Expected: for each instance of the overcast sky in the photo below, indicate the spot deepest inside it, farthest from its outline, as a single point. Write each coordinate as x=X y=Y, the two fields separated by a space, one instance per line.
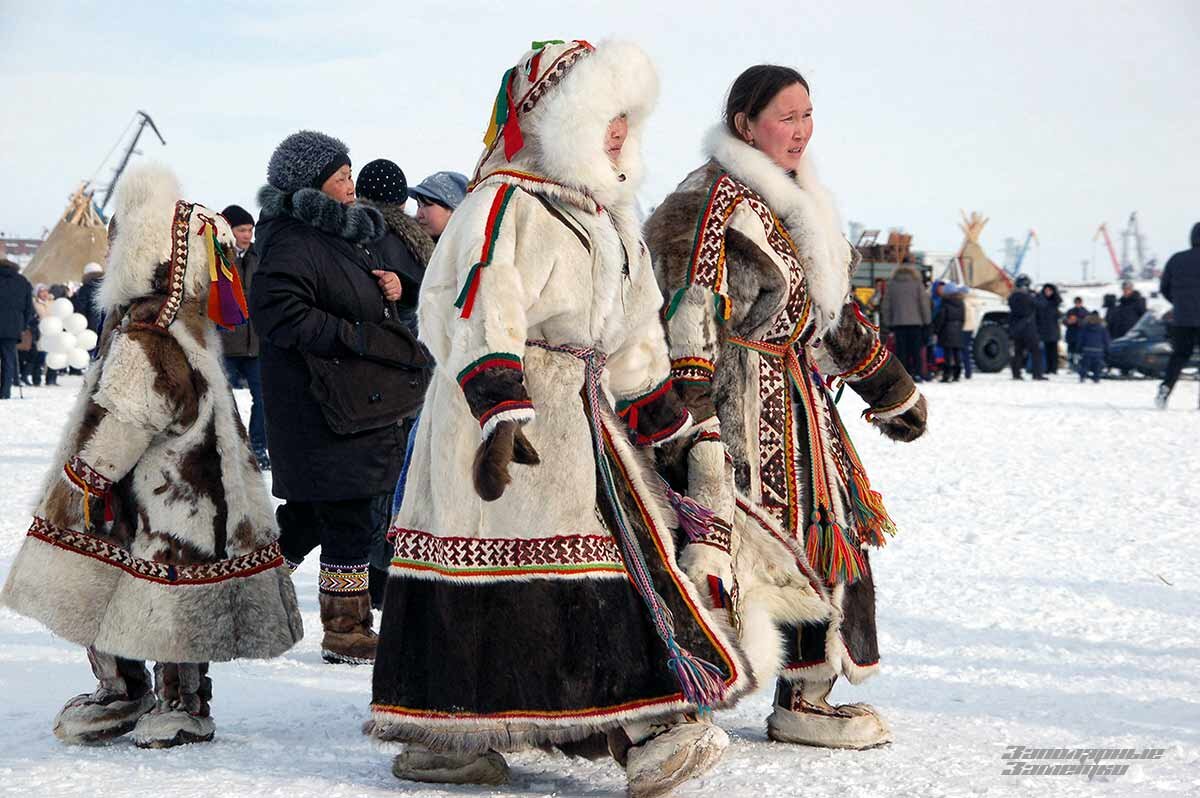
x=1050 y=115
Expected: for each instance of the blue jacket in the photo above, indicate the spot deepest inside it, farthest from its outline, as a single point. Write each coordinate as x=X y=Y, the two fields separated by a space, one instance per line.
x=1093 y=336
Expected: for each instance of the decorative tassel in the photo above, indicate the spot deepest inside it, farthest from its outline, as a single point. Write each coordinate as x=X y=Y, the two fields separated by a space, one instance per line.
x=699 y=679
x=226 y=300
x=695 y=519
x=513 y=139
x=829 y=550
x=499 y=113
x=109 y=517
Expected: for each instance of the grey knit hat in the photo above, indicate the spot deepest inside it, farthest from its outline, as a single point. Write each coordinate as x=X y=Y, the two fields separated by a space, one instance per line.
x=306 y=160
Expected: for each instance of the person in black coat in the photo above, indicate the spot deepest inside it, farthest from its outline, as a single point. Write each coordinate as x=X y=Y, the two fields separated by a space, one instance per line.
x=1073 y=319
x=84 y=299
x=1049 y=330
x=1126 y=311
x=16 y=316
x=321 y=291
x=1093 y=346
x=1022 y=328
x=948 y=327
x=1180 y=285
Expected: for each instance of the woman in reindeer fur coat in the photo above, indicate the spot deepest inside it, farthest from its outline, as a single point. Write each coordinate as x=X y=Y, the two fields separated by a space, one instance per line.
x=749 y=253
x=154 y=539
x=534 y=597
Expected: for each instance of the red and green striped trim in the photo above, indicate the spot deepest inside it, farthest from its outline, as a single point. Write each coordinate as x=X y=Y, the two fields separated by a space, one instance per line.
x=466 y=298
x=492 y=360
x=504 y=407
x=644 y=399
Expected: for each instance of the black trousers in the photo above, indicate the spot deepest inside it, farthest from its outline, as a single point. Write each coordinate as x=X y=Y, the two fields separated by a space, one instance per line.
x=909 y=341
x=343 y=529
x=1051 y=350
x=1026 y=346
x=10 y=372
x=1183 y=341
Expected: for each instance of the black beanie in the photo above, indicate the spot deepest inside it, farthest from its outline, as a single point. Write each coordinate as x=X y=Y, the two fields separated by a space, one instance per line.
x=382 y=181
x=237 y=215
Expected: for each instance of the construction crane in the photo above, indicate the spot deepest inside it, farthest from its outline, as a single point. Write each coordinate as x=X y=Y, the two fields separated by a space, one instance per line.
x=144 y=121
x=1112 y=253
x=1031 y=236
x=1144 y=267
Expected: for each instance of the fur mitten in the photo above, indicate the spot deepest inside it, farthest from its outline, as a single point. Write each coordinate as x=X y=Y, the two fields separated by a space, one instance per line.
x=908 y=426
x=507 y=444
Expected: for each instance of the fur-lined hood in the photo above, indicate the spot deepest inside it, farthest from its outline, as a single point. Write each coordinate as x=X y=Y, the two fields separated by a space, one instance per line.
x=804 y=206
x=406 y=228
x=356 y=223
x=140 y=254
x=564 y=96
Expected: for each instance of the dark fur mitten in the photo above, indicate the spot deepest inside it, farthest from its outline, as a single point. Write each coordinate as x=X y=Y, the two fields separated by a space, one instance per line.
x=908 y=426
x=507 y=444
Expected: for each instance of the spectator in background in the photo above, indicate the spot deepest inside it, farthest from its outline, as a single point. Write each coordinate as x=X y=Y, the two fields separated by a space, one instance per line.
x=948 y=327
x=84 y=299
x=1093 y=347
x=1074 y=322
x=1180 y=285
x=906 y=312
x=1126 y=311
x=240 y=344
x=42 y=300
x=1022 y=328
x=16 y=316
x=437 y=198
x=1049 y=331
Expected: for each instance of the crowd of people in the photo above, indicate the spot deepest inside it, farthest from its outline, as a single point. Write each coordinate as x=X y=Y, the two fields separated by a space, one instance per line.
x=591 y=469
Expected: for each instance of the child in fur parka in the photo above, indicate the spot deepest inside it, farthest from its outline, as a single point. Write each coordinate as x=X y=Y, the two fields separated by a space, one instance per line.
x=154 y=538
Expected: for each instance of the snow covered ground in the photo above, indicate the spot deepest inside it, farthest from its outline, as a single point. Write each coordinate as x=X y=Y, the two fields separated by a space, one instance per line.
x=1043 y=592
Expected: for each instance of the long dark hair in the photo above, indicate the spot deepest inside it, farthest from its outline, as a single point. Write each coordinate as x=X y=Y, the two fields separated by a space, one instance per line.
x=755 y=88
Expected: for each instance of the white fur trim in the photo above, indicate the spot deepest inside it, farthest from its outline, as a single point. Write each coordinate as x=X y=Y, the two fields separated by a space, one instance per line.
x=806 y=209
x=686 y=429
x=521 y=415
x=899 y=410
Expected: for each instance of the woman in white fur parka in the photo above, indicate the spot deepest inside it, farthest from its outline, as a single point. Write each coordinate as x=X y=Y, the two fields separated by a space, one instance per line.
x=154 y=538
x=534 y=597
x=750 y=256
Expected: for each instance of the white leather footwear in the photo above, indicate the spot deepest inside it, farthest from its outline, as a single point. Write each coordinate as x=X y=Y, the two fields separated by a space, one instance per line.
x=682 y=752
x=855 y=726
x=418 y=763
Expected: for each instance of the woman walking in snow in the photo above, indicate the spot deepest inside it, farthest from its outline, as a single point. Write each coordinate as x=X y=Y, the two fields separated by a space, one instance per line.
x=534 y=597
x=749 y=252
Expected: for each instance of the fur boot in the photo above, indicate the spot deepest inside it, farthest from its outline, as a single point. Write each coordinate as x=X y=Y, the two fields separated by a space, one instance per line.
x=666 y=759
x=346 y=619
x=803 y=716
x=181 y=713
x=122 y=696
x=419 y=763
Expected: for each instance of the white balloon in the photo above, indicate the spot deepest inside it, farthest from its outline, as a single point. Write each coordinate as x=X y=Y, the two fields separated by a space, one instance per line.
x=75 y=323
x=62 y=308
x=87 y=340
x=56 y=360
x=51 y=342
x=51 y=325
x=66 y=342
x=78 y=359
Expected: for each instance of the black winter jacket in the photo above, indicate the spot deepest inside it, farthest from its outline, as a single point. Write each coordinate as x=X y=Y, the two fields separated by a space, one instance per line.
x=1181 y=286
x=85 y=301
x=1122 y=316
x=948 y=322
x=16 y=302
x=1022 y=315
x=314 y=293
x=1047 y=316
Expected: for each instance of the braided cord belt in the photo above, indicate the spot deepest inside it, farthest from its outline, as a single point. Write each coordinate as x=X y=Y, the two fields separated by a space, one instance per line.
x=700 y=680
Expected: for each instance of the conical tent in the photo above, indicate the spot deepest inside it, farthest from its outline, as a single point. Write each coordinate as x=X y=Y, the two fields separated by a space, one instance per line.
x=79 y=238
x=978 y=270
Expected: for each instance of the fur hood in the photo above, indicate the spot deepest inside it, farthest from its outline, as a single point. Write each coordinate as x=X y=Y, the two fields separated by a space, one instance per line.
x=564 y=96
x=406 y=228
x=140 y=254
x=356 y=223
x=803 y=205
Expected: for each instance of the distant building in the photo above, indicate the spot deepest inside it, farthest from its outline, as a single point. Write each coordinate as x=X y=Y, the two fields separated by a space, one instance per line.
x=19 y=250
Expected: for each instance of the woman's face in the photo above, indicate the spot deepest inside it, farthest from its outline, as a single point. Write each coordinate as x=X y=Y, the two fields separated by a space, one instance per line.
x=44 y=294
x=614 y=138
x=781 y=130
x=432 y=217
x=340 y=186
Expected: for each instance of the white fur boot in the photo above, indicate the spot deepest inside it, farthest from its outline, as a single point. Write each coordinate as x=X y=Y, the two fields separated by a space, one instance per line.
x=99 y=716
x=181 y=713
x=171 y=727
x=663 y=761
x=803 y=716
x=419 y=763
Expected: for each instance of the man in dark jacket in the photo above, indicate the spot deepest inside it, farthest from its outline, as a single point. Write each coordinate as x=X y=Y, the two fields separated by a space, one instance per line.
x=16 y=316
x=1126 y=312
x=1074 y=323
x=905 y=311
x=948 y=327
x=1181 y=287
x=1022 y=328
x=1049 y=331
x=320 y=294
x=84 y=299
x=240 y=344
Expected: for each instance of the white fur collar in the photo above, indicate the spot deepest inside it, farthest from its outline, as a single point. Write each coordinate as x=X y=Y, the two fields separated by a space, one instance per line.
x=806 y=209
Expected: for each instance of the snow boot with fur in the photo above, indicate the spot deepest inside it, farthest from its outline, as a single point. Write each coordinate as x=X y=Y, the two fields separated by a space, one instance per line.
x=419 y=763
x=123 y=695
x=181 y=712
x=671 y=755
x=803 y=716
x=349 y=638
